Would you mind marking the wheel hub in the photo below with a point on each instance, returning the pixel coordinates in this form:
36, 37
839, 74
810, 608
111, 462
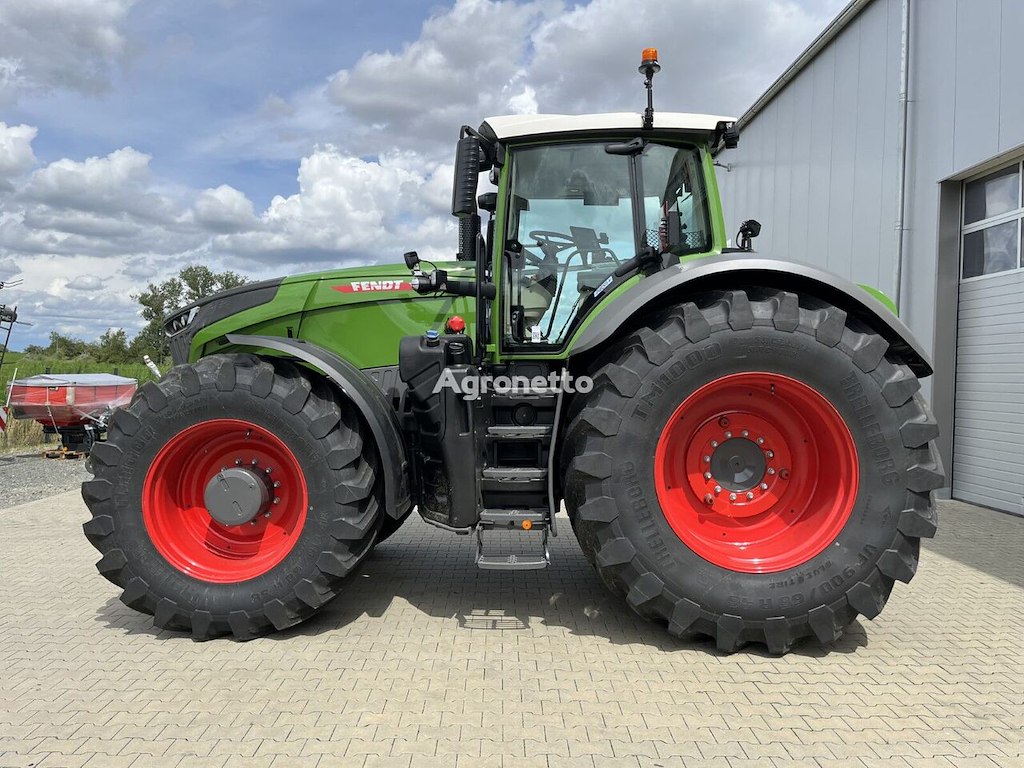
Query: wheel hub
756, 472
237, 495
738, 464
224, 501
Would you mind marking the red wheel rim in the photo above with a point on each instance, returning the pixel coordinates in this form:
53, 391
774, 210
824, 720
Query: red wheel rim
181, 528
756, 472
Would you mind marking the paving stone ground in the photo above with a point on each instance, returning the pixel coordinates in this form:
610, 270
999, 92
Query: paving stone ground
426, 661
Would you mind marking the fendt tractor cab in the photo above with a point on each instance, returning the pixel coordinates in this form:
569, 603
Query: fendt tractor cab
738, 439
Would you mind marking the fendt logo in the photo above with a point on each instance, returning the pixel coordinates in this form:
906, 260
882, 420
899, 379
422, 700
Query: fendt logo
367, 286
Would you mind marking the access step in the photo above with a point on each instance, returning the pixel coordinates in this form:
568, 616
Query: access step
494, 522
520, 433
518, 394
514, 479
515, 474
514, 519
512, 562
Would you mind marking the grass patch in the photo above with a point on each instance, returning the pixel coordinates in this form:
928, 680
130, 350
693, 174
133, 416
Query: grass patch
22, 434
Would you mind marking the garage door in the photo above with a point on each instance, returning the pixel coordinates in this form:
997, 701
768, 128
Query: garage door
988, 426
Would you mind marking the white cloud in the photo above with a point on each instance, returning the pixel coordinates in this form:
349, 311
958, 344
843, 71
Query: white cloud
466, 63
224, 209
101, 206
49, 44
8, 268
88, 283
717, 56
85, 314
483, 57
354, 208
16, 155
96, 184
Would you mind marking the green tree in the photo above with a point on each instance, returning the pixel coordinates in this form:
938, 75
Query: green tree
192, 283
112, 347
66, 347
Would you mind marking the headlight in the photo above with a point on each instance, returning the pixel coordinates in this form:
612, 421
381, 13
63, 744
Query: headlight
179, 322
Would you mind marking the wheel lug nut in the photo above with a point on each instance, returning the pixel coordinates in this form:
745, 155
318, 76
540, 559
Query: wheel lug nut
714, 443
750, 495
770, 454
707, 475
268, 470
764, 486
266, 515
771, 470
760, 441
276, 501
745, 433
238, 462
277, 483
254, 462
728, 435
732, 497
707, 459
718, 489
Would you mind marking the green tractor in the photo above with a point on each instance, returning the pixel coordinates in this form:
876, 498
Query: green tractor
739, 441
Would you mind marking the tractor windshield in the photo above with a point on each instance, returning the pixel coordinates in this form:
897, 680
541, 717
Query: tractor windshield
573, 221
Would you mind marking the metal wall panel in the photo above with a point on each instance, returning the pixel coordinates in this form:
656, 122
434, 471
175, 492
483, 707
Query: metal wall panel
816, 166
1011, 64
988, 438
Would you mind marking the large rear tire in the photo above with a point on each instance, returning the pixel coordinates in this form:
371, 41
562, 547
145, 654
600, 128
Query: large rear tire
301, 507
755, 468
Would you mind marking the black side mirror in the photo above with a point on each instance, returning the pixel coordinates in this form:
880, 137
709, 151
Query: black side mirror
488, 201
749, 229
728, 134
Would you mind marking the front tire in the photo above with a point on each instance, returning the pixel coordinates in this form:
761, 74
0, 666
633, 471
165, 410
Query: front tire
675, 468
300, 482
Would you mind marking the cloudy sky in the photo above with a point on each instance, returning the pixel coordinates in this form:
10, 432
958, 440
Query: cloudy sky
277, 137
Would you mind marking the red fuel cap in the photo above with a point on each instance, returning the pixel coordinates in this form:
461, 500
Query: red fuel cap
455, 324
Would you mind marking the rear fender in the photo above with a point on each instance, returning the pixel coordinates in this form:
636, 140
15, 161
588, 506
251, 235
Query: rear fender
377, 412
727, 272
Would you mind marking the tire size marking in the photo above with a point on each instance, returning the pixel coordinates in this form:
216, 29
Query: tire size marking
642, 511
802, 576
827, 587
664, 381
777, 346
865, 414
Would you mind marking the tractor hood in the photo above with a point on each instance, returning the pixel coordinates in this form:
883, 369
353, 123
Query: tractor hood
322, 307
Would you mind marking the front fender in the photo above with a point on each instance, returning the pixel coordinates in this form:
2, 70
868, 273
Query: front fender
378, 413
729, 271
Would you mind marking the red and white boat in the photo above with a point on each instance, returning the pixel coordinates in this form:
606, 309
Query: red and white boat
69, 399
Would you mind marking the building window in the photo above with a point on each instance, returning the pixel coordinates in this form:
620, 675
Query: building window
992, 239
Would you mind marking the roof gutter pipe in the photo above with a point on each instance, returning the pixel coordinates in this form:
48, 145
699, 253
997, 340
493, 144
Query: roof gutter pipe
904, 112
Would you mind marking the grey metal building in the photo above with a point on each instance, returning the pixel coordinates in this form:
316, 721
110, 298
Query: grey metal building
891, 153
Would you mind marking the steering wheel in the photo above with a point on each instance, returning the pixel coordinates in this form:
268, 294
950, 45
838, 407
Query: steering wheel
552, 243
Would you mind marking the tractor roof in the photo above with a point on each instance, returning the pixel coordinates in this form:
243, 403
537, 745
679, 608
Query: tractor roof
523, 126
